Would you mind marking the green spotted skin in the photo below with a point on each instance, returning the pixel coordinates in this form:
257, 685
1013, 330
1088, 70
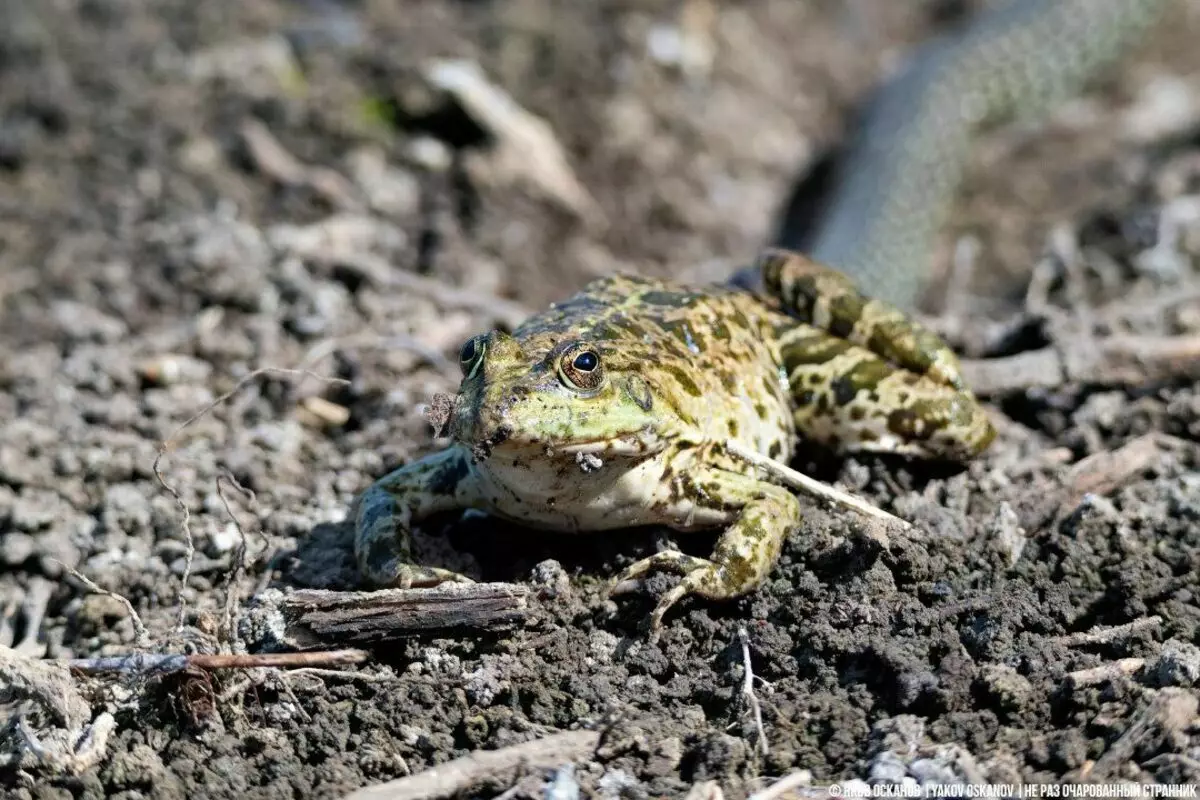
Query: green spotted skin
615, 409
1019, 58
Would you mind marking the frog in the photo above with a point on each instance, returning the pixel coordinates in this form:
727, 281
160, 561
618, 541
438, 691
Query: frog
620, 408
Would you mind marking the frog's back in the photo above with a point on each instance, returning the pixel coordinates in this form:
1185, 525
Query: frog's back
709, 354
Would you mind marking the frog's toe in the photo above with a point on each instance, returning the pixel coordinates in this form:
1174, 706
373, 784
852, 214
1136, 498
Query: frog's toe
396, 574
631, 579
706, 580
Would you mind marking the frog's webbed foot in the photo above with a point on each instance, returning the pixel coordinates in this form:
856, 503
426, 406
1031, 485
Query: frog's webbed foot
743, 556
387, 510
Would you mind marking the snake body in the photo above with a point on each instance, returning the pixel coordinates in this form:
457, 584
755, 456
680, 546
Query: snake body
905, 162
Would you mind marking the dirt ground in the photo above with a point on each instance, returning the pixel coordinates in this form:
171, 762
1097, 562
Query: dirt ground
192, 191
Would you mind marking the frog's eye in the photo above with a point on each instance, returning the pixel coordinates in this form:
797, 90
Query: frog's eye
471, 355
580, 368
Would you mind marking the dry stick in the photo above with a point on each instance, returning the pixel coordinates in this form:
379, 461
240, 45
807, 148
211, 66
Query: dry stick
799, 783
276, 162
454, 776
166, 444
1105, 635
239, 556
176, 662
141, 635
1122, 668
1170, 710
800, 481
1122, 360
1101, 473
748, 691
303, 618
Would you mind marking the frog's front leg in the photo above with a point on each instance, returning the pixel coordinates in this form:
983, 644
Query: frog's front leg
388, 509
763, 513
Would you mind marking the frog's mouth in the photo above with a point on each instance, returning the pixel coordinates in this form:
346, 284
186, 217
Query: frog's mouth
639, 443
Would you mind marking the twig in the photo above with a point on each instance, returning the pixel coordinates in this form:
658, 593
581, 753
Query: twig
1101, 473
455, 776
175, 662
167, 443
800, 481
1121, 360
1170, 710
239, 556
525, 147
1105, 635
308, 617
141, 635
748, 691
276, 162
345, 674
1121, 668
797, 782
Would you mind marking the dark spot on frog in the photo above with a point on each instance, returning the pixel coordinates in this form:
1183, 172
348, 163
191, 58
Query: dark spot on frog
638, 391
682, 378
446, 480
383, 552
844, 389
733, 428
845, 311
483, 449
904, 422
776, 449
805, 398
761, 410
803, 296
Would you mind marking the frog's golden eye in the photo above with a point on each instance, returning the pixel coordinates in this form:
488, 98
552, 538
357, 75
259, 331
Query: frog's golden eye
471, 355
580, 368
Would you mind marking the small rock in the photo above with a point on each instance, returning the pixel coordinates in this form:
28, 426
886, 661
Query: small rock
82, 322
1008, 686
1178, 664
550, 578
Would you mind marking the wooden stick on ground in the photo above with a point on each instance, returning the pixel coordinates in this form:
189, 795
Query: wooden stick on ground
1105, 635
454, 776
798, 480
310, 617
1123, 360
1121, 668
176, 662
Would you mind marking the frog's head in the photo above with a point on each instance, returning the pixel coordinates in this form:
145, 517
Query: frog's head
567, 397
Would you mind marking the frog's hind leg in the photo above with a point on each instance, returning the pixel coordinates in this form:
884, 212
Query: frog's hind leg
848, 398
864, 375
743, 555
827, 299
